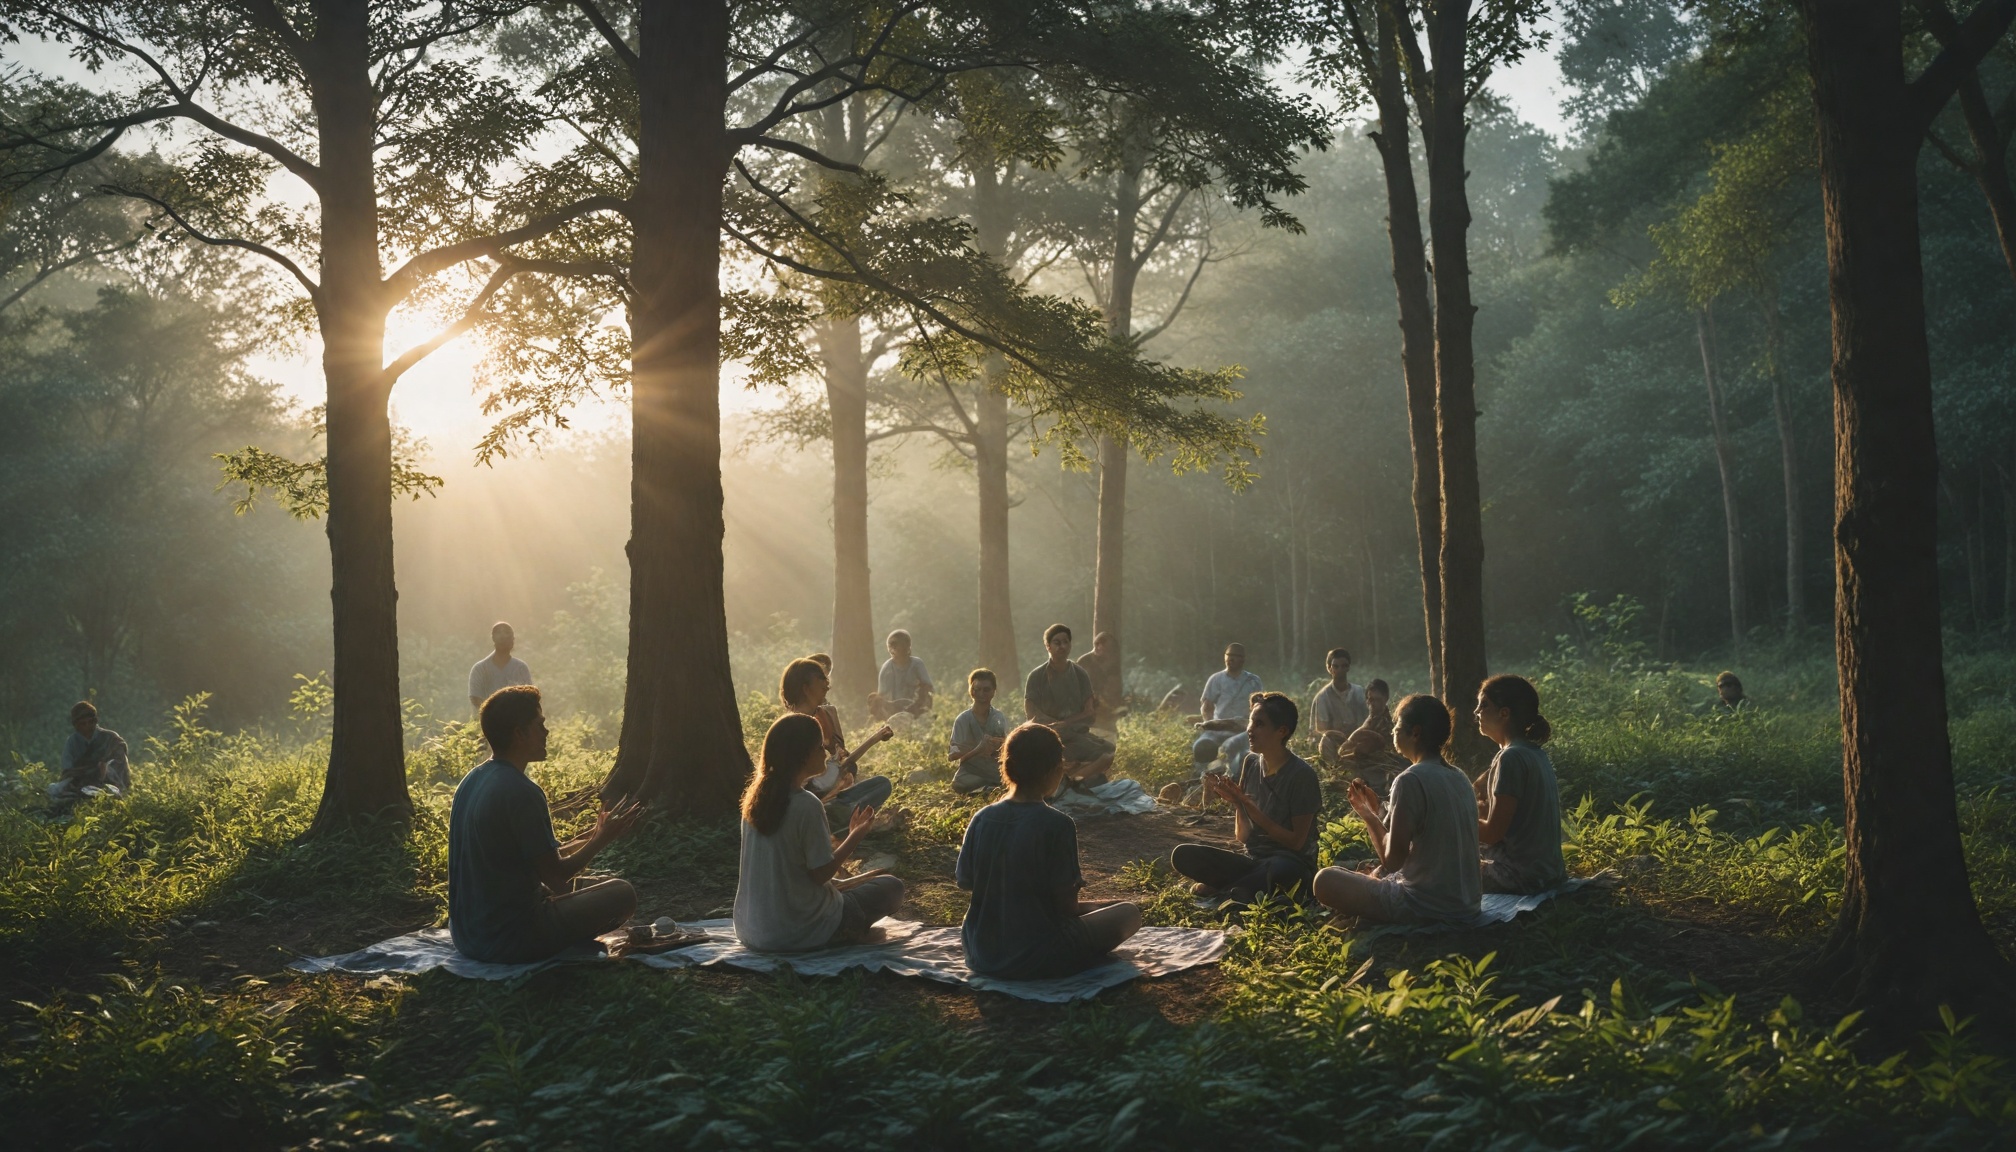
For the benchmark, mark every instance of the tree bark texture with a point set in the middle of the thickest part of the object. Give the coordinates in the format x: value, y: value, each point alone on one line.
x: 1788, y: 467
x: 990, y: 455
x: 681, y: 745
x: 1464, y: 662
x: 1910, y: 936
x: 367, y: 756
x: 1110, y: 559
x: 1417, y: 331
x: 1725, y: 466
x: 846, y: 371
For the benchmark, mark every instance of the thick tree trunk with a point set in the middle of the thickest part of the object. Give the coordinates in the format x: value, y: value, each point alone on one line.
x: 1464, y: 663
x: 1725, y: 466
x: 367, y: 757
x: 1788, y: 467
x: 1417, y: 333
x: 681, y: 745
x: 846, y: 370
x: 1110, y: 558
x: 1910, y: 936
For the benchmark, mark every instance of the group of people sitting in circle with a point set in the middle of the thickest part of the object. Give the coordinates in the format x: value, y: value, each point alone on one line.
x: 1439, y: 839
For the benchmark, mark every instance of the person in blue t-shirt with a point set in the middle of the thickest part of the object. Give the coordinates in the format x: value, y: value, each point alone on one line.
x: 508, y: 877
x: 1020, y: 861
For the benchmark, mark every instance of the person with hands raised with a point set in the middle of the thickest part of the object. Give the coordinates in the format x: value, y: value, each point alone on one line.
x: 1275, y: 800
x: 787, y: 897
x: 1425, y: 834
x: 511, y: 898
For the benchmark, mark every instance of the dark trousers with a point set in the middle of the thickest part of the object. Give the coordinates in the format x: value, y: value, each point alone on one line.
x: 1243, y: 878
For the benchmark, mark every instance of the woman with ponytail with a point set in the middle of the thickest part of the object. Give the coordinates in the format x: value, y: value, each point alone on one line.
x: 1521, y: 805
x: 786, y: 899
x: 1425, y: 832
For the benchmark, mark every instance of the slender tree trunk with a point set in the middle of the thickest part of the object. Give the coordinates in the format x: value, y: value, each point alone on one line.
x: 2008, y: 477
x: 1965, y: 491
x: 367, y: 756
x: 1725, y: 465
x: 681, y: 745
x: 1991, y: 171
x: 990, y: 455
x: 1910, y: 936
x: 1107, y: 588
x: 846, y: 371
x: 1417, y: 333
x: 1788, y: 467
x: 1464, y: 663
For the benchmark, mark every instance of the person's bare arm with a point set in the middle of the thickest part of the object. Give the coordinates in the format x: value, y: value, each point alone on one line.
x: 986, y: 744
x: 857, y: 827
x: 1246, y: 815
x: 567, y: 861
x: 1493, y: 829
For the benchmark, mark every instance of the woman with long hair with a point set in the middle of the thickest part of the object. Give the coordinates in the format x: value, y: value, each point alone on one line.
x: 1425, y: 833
x: 803, y: 688
x: 787, y: 898
x: 1521, y: 825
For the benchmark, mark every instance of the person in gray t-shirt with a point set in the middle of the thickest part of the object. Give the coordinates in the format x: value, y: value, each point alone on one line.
x: 1521, y: 828
x: 903, y: 684
x: 1425, y: 835
x: 977, y: 736
x: 499, y: 669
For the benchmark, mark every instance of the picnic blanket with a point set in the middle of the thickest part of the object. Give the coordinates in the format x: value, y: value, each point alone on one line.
x: 1495, y: 908
x: 911, y: 949
x: 1113, y: 798
x: 908, y: 949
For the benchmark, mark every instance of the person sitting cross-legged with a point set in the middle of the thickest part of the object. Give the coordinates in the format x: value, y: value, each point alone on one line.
x: 786, y: 896
x: 1020, y: 861
x: 1275, y: 801
x: 803, y: 689
x: 903, y: 684
x: 1521, y: 825
x: 94, y: 760
x: 508, y: 877
x: 1425, y: 834
x: 977, y: 736
x: 1059, y: 693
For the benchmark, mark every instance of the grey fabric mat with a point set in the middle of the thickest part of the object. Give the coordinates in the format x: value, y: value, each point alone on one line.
x: 430, y: 948
x: 1113, y: 798
x: 1495, y: 908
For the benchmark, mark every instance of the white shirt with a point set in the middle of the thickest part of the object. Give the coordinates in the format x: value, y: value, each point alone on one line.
x: 1228, y: 697
x: 486, y: 677
x: 777, y: 906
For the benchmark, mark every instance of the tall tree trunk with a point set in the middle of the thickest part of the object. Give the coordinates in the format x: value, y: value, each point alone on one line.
x: 1965, y: 491
x: 1788, y: 467
x: 1464, y: 663
x: 1725, y: 465
x: 1910, y: 936
x: 993, y: 222
x: 1417, y: 332
x: 1991, y: 171
x: 1110, y: 549
x: 681, y: 745
x: 367, y: 755
x: 2007, y: 475
x: 846, y: 371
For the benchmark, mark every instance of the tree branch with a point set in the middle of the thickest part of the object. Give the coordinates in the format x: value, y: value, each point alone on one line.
x: 796, y: 149
x: 1182, y: 299
x: 402, y: 282
x: 620, y: 46
x: 1161, y: 233
x: 253, y: 246
x: 463, y: 323
x: 1962, y: 47
x: 49, y: 270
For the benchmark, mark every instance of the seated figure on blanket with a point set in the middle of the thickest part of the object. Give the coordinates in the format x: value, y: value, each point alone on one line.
x: 903, y: 684
x: 787, y: 898
x: 803, y: 689
x: 94, y: 759
x: 1275, y: 800
x: 1221, y: 712
x: 509, y: 879
x: 1102, y: 664
x: 1059, y: 694
x: 1521, y: 808
x: 1338, y: 709
x: 1368, y: 751
x: 1425, y: 834
x: 977, y: 736
x: 1020, y: 861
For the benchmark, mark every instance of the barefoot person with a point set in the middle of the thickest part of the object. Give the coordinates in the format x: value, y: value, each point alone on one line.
x: 1521, y: 828
x: 803, y: 689
x: 509, y: 879
x: 94, y: 759
x: 903, y: 684
x: 977, y: 736
x: 1274, y: 802
x: 1221, y: 712
x: 1338, y: 709
x: 1059, y: 694
x: 499, y: 669
x: 787, y: 898
x: 1425, y: 835
x: 1020, y: 861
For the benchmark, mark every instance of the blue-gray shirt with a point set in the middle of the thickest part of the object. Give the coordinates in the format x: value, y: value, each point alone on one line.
x: 498, y: 827
x: 1020, y: 861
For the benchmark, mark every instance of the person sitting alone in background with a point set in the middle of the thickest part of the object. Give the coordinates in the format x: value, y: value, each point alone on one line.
x: 508, y: 877
x: 1221, y: 712
x: 94, y: 760
x: 803, y: 689
x: 1102, y: 664
x: 1425, y: 834
x: 1275, y: 800
x: 499, y: 669
x: 977, y: 736
x: 1338, y: 709
x: 903, y: 684
x: 1729, y: 692
x: 1019, y: 859
x: 1368, y: 751
x: 786, y: 896
x: 1059, y: 693
x: 1521, y: 826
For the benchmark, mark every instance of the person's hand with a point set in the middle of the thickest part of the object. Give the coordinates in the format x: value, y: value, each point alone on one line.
x: 991, y: 744
x: 885, y: 732
x: 1197, y: 721
x: 1364, y: 801
x: 612, y: 822
x: 864, y: 815
x: 1228, y: 790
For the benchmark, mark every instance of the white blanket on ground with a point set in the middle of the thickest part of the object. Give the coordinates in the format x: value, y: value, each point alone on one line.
x: 1113, y: 798
x: 909, y: 949
x: 1495, y: 908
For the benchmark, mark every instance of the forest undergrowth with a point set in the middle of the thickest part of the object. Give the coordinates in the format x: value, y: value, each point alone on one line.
x: 1577, y: 1026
